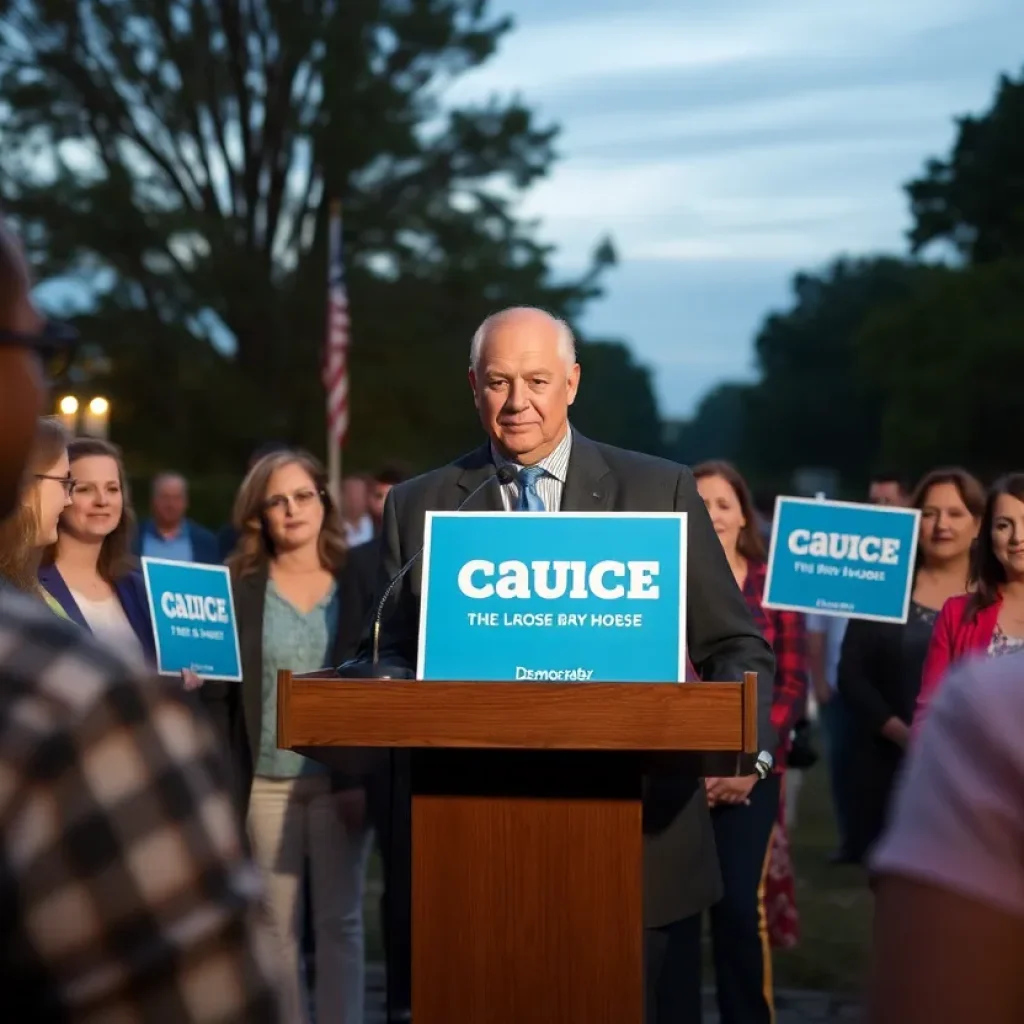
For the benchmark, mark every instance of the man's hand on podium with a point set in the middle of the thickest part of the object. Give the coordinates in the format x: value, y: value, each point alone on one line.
x: 733, y: 790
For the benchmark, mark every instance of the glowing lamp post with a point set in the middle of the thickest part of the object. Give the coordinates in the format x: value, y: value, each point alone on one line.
x: 67, y: 413
x: 96, y: 422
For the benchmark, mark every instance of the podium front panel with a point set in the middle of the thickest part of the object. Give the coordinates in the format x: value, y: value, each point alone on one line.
x: 527, y: 888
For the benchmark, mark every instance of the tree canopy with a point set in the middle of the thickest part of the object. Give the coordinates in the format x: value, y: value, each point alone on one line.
x: 974, y: 198
x: 944, y: 364
x: 891, y: 360
x: 812, y: 406
x: 176, y: 160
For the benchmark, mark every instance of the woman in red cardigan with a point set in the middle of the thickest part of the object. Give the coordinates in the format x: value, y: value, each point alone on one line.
x: 988, y: 621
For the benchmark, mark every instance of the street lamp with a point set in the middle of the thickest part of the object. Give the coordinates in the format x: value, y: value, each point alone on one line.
x: 67, y: 413
x: 97, y: 418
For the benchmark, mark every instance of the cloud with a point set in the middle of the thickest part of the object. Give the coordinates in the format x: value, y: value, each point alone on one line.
x: 550, y: 54
x: 792, y: 200
x: 724, y: 146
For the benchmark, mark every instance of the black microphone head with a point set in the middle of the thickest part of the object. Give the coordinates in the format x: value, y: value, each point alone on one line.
x: 506, y: 475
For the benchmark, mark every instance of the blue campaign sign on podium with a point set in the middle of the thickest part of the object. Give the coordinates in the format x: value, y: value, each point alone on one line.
x: 841, y: 558
x: 193, y: 618
x: 555, y: 597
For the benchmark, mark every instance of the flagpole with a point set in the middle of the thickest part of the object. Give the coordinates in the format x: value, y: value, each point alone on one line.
x: 333, y: 445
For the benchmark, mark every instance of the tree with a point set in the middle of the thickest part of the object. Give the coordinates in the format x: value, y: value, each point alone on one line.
x: 716, y: 429
x: 974, y: 199
x: 812, y: 405
x: 177, y: 159
x: 945, y: 363
x: 615, y: 400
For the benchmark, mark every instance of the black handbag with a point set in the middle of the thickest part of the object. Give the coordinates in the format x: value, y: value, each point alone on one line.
x: 802, y: 754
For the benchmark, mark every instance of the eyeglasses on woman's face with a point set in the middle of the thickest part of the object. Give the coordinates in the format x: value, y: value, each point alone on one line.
x: 68, y: 482
x: 298, y: 501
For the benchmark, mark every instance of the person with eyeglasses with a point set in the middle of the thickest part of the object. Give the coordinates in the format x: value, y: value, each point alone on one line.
x: 47, y: 492
x: 126, y: 890
x: 297, y: 608
x: 90, y: 569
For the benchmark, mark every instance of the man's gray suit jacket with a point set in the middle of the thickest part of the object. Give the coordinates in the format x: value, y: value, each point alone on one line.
x: 681, y: 875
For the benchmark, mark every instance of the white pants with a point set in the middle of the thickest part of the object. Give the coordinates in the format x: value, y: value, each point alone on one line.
x: 290, y: 819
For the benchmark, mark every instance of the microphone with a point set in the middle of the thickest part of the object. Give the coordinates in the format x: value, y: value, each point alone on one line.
x: 504, y: 475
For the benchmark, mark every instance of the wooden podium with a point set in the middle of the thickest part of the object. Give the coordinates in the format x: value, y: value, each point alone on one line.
x: 527, y: 872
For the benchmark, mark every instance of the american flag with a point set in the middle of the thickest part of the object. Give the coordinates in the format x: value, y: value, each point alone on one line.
x: 335, y: 371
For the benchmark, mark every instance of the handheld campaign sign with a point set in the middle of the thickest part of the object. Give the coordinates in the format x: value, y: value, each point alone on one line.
x: 841, y: 558
x: 193, y: 618
x: 558, y: 597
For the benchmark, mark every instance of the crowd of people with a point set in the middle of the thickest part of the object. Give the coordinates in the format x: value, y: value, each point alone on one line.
x: 162, y: 859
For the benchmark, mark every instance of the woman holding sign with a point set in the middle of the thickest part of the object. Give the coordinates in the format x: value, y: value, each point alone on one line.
x: 24, y: 535
x: 746, y: 813
x: 881, y: 662
x: 90, y: 570
x: 296, y: 609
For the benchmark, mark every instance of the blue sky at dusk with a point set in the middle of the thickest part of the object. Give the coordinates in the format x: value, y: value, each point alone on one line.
x: 724, y: 145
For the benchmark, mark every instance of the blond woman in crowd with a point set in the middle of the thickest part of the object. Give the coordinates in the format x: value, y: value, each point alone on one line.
x: 45, y: 495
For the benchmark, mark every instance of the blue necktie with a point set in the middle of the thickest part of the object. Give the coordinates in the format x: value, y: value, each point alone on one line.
x: 529, y: 498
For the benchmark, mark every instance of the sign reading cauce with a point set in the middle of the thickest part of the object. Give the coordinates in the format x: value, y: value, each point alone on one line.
x: 557, y: 597
x: 193, y: 618
x: 841, y: 558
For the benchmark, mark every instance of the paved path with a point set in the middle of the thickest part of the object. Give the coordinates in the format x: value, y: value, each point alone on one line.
x: 792, y: 1007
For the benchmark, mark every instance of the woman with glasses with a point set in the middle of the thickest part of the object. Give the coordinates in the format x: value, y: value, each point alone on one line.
x: 90, y: 570
x: 298, y: 609
x: 46, y: 493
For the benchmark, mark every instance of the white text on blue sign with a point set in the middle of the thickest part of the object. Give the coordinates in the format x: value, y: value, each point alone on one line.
x: 844, y: 546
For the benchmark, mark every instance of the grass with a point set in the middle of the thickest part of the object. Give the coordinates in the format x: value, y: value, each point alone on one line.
x: 833, y: 902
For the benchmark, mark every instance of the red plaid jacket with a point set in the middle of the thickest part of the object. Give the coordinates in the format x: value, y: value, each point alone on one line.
x: 786, y: 633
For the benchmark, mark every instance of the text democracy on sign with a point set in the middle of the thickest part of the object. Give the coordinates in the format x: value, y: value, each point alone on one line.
x: 552, y: 580
x: 850, y: 546
x: 194, y: 607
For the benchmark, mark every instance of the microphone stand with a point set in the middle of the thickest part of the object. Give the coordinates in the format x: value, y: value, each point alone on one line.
x: 396, y: 763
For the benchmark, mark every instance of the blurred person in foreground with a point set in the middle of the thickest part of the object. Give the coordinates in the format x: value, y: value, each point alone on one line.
x: 90, y: 570
x: 124, y: 894
x: 33, y: 524
x: 949, y: 872
x: 524, y: 376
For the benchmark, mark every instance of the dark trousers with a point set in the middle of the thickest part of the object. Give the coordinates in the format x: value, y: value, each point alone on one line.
x: 840, y: 739
x: 672, y: 973
x: 878, y: 767
x: 390, y: 806
x: 739, y: 932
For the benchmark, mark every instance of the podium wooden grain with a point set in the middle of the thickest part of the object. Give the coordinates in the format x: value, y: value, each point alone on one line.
x: 527, y: 843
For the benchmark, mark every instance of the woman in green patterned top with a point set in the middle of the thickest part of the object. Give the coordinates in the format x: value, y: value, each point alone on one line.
x: 46, y: 494
x: 296, y: 609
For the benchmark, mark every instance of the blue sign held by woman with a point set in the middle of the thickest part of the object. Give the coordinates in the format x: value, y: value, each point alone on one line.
x: 842, y: 558
x: 193, y: 619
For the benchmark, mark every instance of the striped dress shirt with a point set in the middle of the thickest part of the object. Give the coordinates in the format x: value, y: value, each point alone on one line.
x: 549, y: 486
